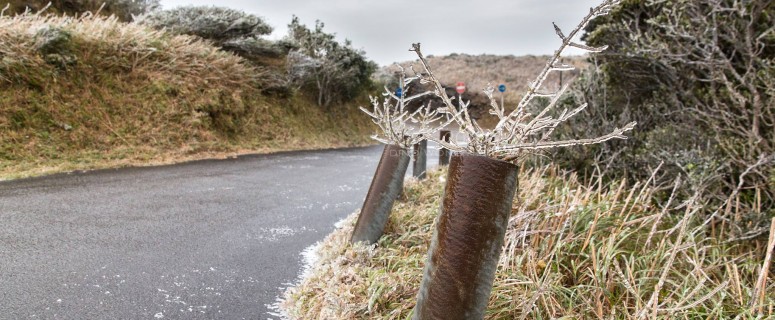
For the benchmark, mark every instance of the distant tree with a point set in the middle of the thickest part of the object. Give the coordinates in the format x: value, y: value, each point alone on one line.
x: 336, y: 71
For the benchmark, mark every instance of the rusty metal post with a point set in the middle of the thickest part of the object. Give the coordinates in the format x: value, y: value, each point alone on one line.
x: 468, y: 239
x: 444, y: 153
x: 385, y: 187
x: 420, y: 156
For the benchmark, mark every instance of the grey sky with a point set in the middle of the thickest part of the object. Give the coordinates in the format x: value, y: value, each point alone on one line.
x: 386, y: 29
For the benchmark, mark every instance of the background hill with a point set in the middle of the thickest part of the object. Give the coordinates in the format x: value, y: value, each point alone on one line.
x: 479, y: 71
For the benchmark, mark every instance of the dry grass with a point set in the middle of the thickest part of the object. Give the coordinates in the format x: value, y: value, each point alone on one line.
x: 115, y: 94
x: 572, y: 252
x: 106, y: 43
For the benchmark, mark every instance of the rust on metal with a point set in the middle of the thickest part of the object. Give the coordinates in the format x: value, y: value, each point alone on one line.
x: 468, y: 239
x: 420, y: 156
x: 385, y: 187
x: 444, y: 153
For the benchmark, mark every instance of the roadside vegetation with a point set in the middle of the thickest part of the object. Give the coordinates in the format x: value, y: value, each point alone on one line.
x: 573, y: 250
x: 92, y: 91
x: 699, y: 78
x: 677, y: 222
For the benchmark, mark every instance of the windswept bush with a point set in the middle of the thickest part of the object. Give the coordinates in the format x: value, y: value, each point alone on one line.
x: 213, y: 23
x: 699, y: 77
x: 254, y: 49
x: 232, y: 30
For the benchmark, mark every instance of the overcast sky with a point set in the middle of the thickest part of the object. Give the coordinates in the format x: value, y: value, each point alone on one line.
x: 386, y: 29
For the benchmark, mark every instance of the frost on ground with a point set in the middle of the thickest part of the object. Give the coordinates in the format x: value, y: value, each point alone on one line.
x: 275, y: 234
x: 310, y: 257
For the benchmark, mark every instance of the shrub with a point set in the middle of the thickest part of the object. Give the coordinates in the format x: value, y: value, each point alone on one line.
x: 220, y: 25
x: 232, y: 31
x: 698, y: 76
x: 252, y: 48
x: 335, y: 71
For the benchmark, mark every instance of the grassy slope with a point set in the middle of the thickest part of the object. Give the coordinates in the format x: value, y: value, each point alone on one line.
x: 571, y: 252
x: 110, y: 94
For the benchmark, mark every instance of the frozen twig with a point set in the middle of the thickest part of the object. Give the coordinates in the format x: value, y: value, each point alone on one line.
x: 399, y: 126
x: 519, y: 132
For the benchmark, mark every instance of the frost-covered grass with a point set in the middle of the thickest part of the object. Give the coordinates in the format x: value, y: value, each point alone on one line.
x: 573, y: 251
x: 94, y: 92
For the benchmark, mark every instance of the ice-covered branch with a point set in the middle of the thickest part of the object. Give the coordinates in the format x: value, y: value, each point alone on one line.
x: 461, y: 116
x: 617, y: 133
x: 399, y: 126
x: 519, y: 131
x: 551, y: 65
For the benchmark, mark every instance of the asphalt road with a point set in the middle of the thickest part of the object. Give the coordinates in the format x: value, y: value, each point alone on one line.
x: 214, y: 239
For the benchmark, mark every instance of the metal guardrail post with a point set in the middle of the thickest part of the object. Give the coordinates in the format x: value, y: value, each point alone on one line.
x: 444, y: 153
x: 468, y: 239
x: 385, y: 187
x: 420, y: 157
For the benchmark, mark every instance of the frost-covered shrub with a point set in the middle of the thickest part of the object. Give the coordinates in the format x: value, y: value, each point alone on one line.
x: 334, y: 71
x: 253, y: 48
x: 218, y: 24
x: 50, y: 40
x: 126, y: 10
x: 55, y: 45
x: 232, y: 30
x: 698, y: 75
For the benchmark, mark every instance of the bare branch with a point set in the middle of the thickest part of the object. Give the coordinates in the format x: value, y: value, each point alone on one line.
x: 397, y: 125
x: 558, y: 31
x: 615, y: 134
x: 517, y: 132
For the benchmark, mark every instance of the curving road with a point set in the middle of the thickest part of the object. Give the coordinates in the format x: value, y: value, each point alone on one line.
x: 212, y: 239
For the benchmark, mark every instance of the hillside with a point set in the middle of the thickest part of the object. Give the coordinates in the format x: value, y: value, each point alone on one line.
x: 477, y: 71
x: 94, y: 92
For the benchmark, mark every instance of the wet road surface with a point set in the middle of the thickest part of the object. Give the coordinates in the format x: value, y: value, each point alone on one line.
x: 214, y: 239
